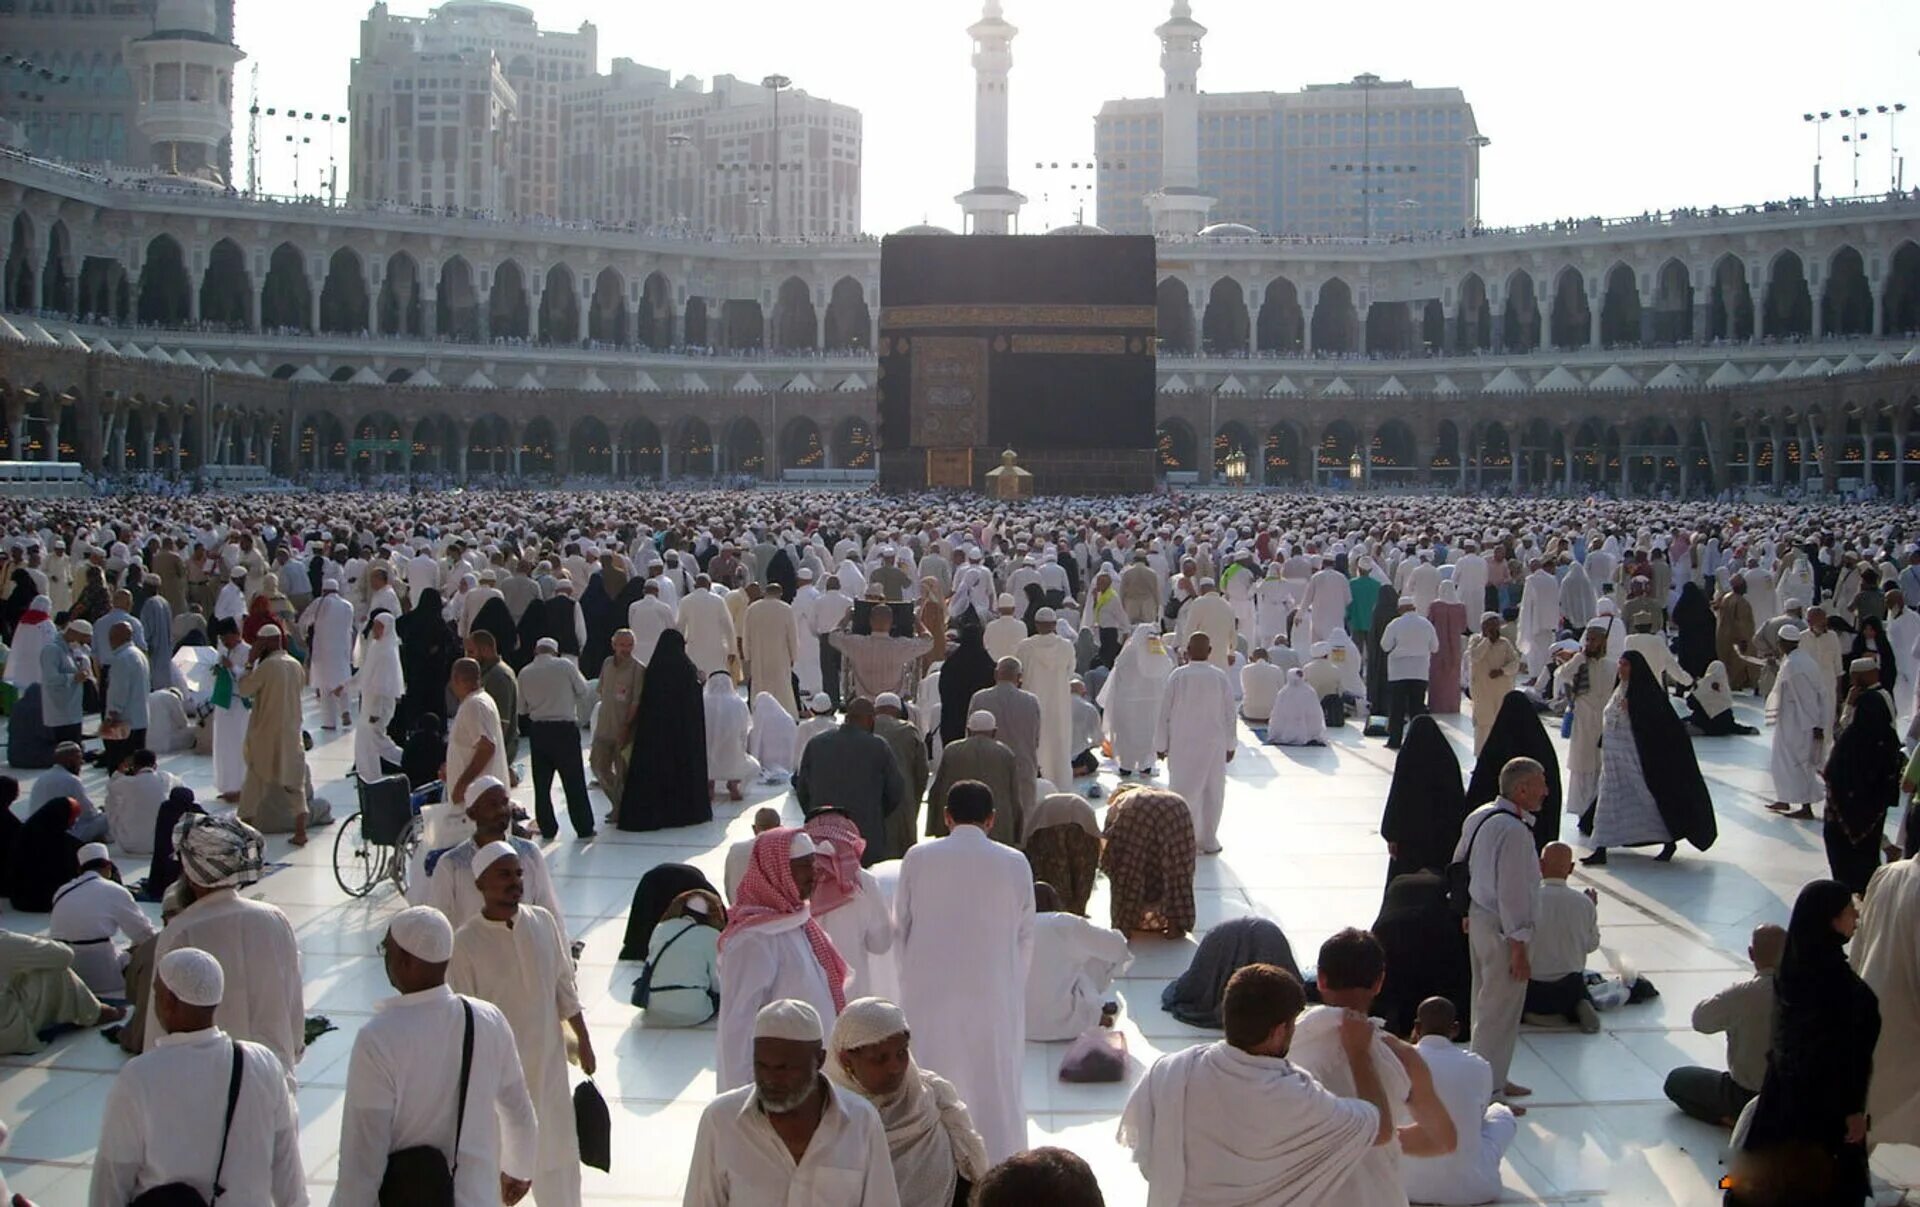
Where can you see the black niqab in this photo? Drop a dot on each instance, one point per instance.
(41, 857)
(1666, 758)
(1881, 652)
(667, 782)
(780, 570)
(967, 669)
(427, 654)
(1517, 733)
(494, 617)
(1863, 783)
(1426, 803)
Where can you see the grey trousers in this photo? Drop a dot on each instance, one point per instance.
(1497, 997)
(1707, 1094)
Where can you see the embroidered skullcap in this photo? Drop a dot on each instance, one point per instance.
(218, 852)
(491, 854)
(424, 933)
(788, 1019)
(82, 627)
(194, 976)
(981, 722)
(867, 1021)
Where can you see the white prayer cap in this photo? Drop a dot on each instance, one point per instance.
(867, 1021)
(1858, 665)
(1004, 603)
(1044, 616)
(481, 786)
(546, 645)
(93, 852)
(801, 846)
(981, 722)
(804, 574)
(564, 586)
(887, 700)
(1599, 626)
(194, 976)
(1605, 606)
(268, 630)
(491, 854)
(1788, 605)
(329, 584)
(788, 1019)
(85, 627)
(424, 933)
(821, 702)
(1791, 632)
(1321, 649)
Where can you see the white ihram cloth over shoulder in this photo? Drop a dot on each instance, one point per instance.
(1074, 965)
(523, 967)
(331, 664)
(147, 1139)
(773, 739)
(1213, 1126)
(1197, 730)
(230, 726)
(403, 1087)
(1046, 670)
(1802, 701)
(1375, 1181)
(964, 933)
(728, 726)
(1886, 954)
(1130, 698)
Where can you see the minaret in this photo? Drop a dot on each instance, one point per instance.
(990, 203)
(1179, 207)
(183, 81)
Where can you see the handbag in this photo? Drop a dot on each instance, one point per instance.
(1459, 874)
(422, 1176)
(181, 1194)
(593, 1126)
(1098, 1054)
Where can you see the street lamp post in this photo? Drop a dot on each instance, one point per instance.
(1479, 143)
(777, 83)
(1896, 170)
(1817, 121)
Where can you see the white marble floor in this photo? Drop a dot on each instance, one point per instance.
(1302, 846)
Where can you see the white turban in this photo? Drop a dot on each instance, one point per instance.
(193, 975)
(981, 722)
(491, 854)
(867, 1021)
(424, 933)
(788, 1019)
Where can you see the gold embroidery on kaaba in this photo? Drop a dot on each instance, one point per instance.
(1079, 345)
(949, 398)
(896, 317)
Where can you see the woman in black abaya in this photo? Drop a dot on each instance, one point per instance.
(667, 770)
(1863, 782)
(1651, 790)
(1517, 733)
(1807, 1144)
(427, 653)
(41, 857)
(1425, 804)
(1871, 642)
(651, 897)
(1696, 645)
(494, 618)
(780, 570)
(968, 668)
(1427, 953)
(1386, 606)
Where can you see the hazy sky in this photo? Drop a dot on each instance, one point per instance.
(1609, 109)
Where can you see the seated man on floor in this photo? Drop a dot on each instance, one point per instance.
(1566, 929)
(1744, 1012)
(1073, 969)
(1260, 682)
(41, 995)
(1484, 1128)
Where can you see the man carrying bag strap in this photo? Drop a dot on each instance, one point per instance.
(1502, 873)
(404, 1138)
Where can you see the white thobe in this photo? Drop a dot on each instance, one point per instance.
(133, 805)
(860, 929)
(1802, 701)
(1046, 670)
(1539, 619)
(478, 717)
(87, 913)
(403, 1087)
(230, 728)
(1903, 631)
(759, 965)
(964, 920)
(1463, 1081)
(522, 966)
(1260, 682)
(1470, 575)
(423, 574)
(707, 624)
(648, 617)
(1212, 615)
(740, 1161)
(264, 1001)
(1423, 584)
(166, 1117)
(1274, 601)
(1130, 701)
(331, 664)
(1327, 598)
(1003, 636)
(1196, 732)
(456, 895)
(1074, 965)
(1886, 954)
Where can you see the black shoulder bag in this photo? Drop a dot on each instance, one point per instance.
(181, 1194)
(422, 1176)
(1460, 874)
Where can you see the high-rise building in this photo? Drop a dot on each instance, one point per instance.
(74, 98)
(474, 106)
(1368, 157)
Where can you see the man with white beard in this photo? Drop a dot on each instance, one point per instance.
(1328, 595)
(707, 624)
(329, 628)
(1539, 617)
(1801, 710)
(1196, 728)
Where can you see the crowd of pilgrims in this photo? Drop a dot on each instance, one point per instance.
(938, 678)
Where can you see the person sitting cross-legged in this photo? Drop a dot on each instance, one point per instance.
(1484, 1128)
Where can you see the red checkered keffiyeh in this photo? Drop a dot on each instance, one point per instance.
(769, 893)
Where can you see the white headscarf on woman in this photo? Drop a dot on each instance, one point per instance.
(775, 734)
(1130, 699)
(929, 1131)
(727, 729)
(23, 660)
(379, 675)
(1712, 691)
(1297, 719)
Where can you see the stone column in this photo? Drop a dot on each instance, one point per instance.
(1253, 324)
(1594, 314)
(1306, 330)
(430, 312)
(613, 456)
(1566, 441)
(819, 328)
(1879, 318)
(1626, 471)
(1899, 461)
(313, 308)
(1516, 454)
(1779, 456)
(666, 451)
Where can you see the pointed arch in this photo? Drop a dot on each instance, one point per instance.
(507, 302)
(1174, 443)
(537, 447)
(1175, 317)
(560, 307)
(794, 318)
(286, 300)
(56, 278)
(853, 444)
(343, 299)
(589, 448)
(1335, 321)
(1789, 303)
(1730, 312)
(607, 314)
(801, 446)
(400, 306)
(20, 292)
(656, 312)
(1846, 303)
(1520, 318)
(456, 302)
(1225, 326)
(744, 450)
(1473, 316)
(1232, 438)
(1672, 318)
(1570, 324)
(226, 287)
(693, 450)
(1620, 309)
(163, 284)
(1282, 454)
(849, 321)
(1282, 326)
(1900, 298)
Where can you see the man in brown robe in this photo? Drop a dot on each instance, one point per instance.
(172, 571)
(1733, 631)
(770, 642)
(273, 799)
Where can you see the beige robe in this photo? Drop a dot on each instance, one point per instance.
(39, 990)
(1483, 658)
(274, 795)
(768, 639)
(1886, 954)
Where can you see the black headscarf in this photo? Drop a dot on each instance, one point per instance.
(42, 856)
(1036, 599)
(1517, 733)
(968, 669)
(30, 743)
(24, 591)
(1863, 782)
(651, 897)
(426, 658)
(1882, 651)
(1426, 802)
(1195, 998)
(780, 570)
(1386, 606)
(596, 607)
(1666, 757)
(494, 617)
(1427, 952)
(165, 866)
(424, 748)
(667, 782)
(1693, 617)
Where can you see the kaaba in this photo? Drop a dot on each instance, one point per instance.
(1039, 343)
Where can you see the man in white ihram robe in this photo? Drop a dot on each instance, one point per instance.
(230, 724)
(522, 966)
(1539, 618)
(806, 655)
(1211, 614)
(1197, 739)
(964, 938)
(1130, 699)
(1046, 670)
(1801, 709)
(1074, 965)
(1886, 954)
(329, 625)
(707, 624)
